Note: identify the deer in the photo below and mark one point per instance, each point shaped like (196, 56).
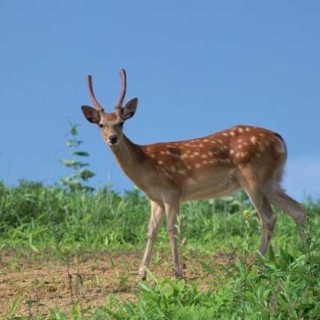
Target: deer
(169, 173)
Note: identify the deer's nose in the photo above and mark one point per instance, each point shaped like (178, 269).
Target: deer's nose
(113, 139)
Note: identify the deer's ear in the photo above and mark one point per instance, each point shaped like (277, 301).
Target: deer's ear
(129, 109)
(91, 114)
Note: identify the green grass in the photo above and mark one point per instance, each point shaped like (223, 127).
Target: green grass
(54, 219)
(284, 285)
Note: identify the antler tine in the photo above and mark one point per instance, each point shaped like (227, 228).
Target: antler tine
(123, 88)
(95, 102)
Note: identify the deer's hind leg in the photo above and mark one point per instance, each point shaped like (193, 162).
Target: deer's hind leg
(260, 201)
(292, 207)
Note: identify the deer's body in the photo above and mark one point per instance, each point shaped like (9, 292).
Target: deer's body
(216, 165)
(200, 168)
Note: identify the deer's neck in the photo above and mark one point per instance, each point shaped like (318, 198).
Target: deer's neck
(130, 158)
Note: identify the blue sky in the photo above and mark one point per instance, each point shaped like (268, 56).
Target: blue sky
(196, 66)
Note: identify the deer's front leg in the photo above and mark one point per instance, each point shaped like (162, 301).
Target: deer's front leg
(153, 228)
(172, 212)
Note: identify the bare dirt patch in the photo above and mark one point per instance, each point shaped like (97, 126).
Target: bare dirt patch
(89, 279)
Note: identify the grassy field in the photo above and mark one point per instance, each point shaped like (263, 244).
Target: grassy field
(75, 255)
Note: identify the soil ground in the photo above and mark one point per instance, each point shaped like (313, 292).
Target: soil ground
(45, 283)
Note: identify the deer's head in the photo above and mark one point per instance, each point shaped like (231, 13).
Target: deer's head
(110, 123)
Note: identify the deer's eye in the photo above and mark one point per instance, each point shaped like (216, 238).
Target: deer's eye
(121, 125)
(100, 125)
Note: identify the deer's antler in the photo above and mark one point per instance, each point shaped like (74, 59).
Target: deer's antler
(118, 108)
(95, 102)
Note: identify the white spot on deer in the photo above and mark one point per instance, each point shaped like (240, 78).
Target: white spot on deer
(226, 134)
(173, 168)
(174, 154)
(232, 133)
(241, 154)
(198, 165)
(204, 162)
(247, 129)
(253, 140)
(196, 153)
(261, 134)
(160, 162)
(182, 172)
(205, 140)
(224, 160)
(280, 150)
(204, 156)
(220, 141)
(201, 145)
(240, 130)
(216, 152)
(239, 146)
(231, 151)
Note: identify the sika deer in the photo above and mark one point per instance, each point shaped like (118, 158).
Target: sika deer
(216, 165)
